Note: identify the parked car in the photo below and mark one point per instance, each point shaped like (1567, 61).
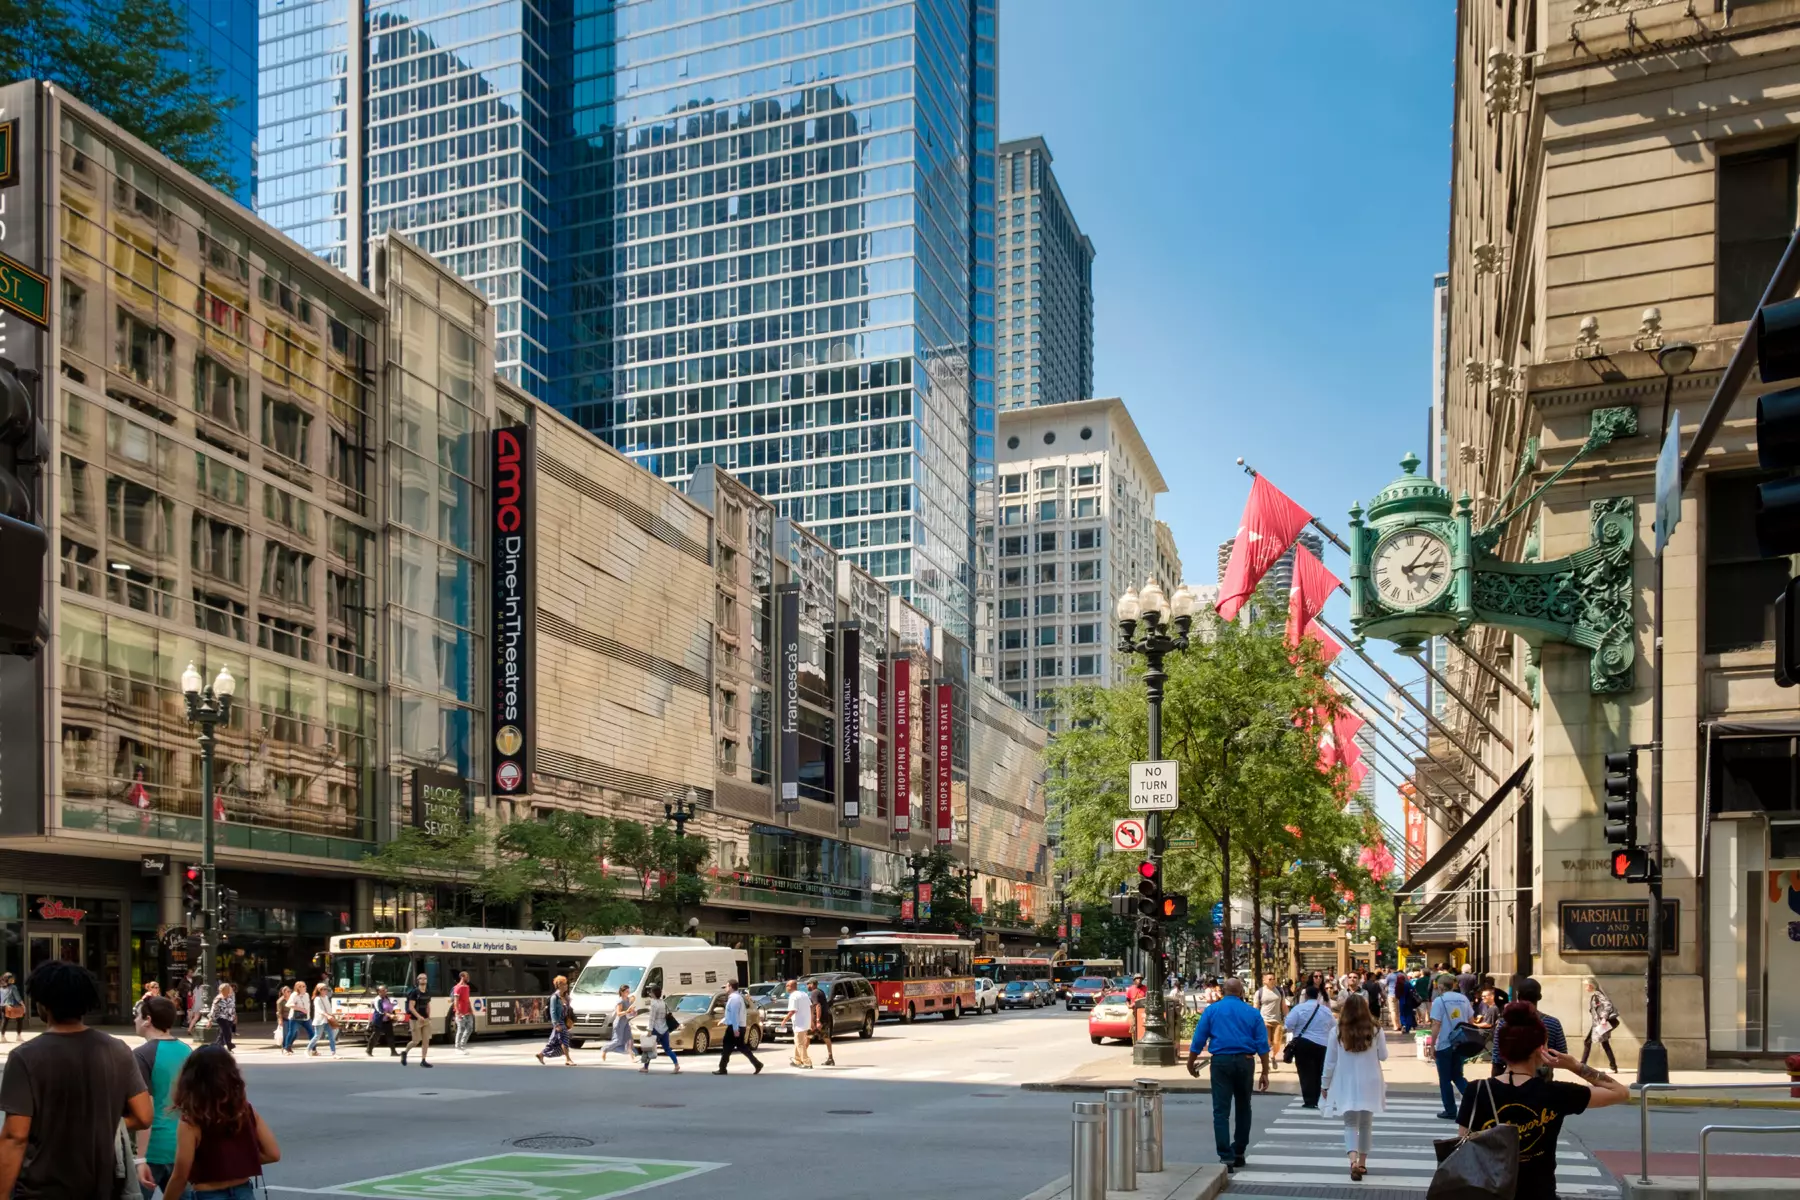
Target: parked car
(1021, 993)
(1084, 992)
(702, 1022)
(1110, 1018)
(987, 995)
(853, 1006)
(1048, 989)
(763, 994)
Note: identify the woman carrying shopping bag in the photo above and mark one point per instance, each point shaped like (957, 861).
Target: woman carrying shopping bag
(1354, 1087)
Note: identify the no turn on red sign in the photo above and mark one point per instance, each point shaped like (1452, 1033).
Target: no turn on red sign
(1129, 834)
(1155, 786)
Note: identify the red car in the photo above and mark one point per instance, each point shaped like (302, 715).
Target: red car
(1110, 1018)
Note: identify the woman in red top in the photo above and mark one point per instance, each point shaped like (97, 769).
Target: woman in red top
(222, 1143)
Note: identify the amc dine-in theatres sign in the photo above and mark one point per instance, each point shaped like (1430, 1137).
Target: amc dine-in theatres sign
(510, 530)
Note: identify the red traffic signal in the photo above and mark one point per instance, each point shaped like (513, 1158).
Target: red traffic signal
(1147, 869)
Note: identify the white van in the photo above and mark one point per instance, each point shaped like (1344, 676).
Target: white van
(638, 961)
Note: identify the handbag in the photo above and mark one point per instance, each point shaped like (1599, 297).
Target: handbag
(1481, 1166)
(1287, 1051)
(15, 1012)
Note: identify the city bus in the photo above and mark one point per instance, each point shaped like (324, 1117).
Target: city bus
(1004, 970)
(1068, 970)
(511, 974)
(914, 973)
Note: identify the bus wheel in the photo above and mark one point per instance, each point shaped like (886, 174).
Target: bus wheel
(955, 1010)
(911, 1015)
(868, 1027)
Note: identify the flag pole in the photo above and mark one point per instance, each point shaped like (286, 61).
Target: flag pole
(1421, 747)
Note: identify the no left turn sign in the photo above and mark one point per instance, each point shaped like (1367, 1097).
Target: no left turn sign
(1128, 834)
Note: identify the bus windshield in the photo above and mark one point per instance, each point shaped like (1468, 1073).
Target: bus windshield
(597, 979)
(363, 972)
(1005, 972)
(873, 964)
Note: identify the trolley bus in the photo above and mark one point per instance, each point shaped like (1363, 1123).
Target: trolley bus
(511, 974)
(1068, 970)
(914, 973)
(1004, 970)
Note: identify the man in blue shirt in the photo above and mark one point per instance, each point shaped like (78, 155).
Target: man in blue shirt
(1237, 1034)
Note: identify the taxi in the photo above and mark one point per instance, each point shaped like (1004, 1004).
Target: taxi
(1110, 1018)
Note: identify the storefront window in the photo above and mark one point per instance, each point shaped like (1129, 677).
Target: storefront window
(1752, 885)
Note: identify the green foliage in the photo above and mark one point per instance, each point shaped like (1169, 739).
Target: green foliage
(1248, 773)
(120, 57)
(450, 862)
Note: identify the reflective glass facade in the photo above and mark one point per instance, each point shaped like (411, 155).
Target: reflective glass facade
(222, 35)
(1046, 265)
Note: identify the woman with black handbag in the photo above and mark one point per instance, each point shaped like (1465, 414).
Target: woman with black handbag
(1309, 1026)
(1535, 1106)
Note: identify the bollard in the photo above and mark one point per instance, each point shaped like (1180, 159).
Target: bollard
(1087, 1152)
(1121, 1140)
(1149, 1126)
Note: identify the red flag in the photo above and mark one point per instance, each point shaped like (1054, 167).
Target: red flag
(1270, 525)
(218, 807)
(1358, 772)
(1328, 645)
(1343, 732)
(1313, 585)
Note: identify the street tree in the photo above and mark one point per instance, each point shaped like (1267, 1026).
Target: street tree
(556, 864)
(127, 60)
(447, 859)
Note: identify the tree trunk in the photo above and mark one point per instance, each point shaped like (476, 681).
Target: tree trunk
(1225, 891)
(1256, 953)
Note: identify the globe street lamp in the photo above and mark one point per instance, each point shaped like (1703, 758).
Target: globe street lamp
(680, 811)
(208, 707)
(1153, 624)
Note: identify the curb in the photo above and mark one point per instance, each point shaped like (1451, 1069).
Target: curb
(1701, 1102)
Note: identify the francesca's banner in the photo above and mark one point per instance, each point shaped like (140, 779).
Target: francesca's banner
(901, 685)
(943, 746)
(787, 696)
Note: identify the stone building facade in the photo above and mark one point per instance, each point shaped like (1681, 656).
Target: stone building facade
(1623, 180)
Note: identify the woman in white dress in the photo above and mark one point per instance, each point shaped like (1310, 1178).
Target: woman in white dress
(1354, 1087)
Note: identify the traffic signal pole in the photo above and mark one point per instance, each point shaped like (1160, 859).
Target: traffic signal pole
(1155, 1049)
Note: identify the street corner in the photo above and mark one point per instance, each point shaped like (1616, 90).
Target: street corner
(523, 1175)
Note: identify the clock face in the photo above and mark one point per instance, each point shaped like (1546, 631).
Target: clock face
(1411, 569)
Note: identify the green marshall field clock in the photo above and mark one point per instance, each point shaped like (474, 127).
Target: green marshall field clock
(1420, 569)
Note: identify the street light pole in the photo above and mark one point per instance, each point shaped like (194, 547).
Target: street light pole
(680, 811)
(208, 707)
(1160, 633)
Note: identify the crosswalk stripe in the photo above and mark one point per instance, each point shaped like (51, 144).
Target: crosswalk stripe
(1392, 1162)
(1376, 1180)
(986, 1076)
(923, 1074)
(1334, 1136)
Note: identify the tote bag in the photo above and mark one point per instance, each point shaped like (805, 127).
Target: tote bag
(1481, 1166)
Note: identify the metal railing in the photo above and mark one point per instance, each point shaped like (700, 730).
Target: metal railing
(1644, 1091)
(1708, 1130)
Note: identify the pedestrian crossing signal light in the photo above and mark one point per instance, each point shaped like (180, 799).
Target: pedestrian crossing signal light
(1621, 803)
(1632, 864)
(1174, 907)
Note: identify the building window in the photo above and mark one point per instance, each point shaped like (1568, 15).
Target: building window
(1012, 609)
(1012, 639)
(1085, 635)
(1086, 506)
(1087, 571)
(1048, 606)
(1085, 539)
(1012, 485)
(1046, 510)
(1755, 219)
(1049, 668)
(74, 316)
(139, 517)
(218, 550)
(1049, 635)
(1740, 585)
(285, 429)
(144, 353)
(1012, 547)
(1012, 576)
(1012, 514)
(1086, 664)
(1046, 479)
(1046, 573)
(1046, 543)
(287, 574)
(1084, 602)
(1012, 672)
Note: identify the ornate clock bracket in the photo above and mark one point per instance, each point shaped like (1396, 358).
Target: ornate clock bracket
(1584, 599)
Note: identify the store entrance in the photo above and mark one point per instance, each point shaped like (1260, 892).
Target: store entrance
(66, 946)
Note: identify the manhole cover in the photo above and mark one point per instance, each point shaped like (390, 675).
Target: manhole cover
(662, 1106)
(849, 1112)
(553, 1141)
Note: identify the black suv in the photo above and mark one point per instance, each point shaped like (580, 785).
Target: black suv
(850, 997)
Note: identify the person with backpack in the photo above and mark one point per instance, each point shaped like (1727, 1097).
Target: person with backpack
(1450, 1015)
(822, 1018)
(662, 1024)
(159, 1060)
(222, 1142)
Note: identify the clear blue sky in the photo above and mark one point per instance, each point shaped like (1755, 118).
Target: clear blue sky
(1267, 189)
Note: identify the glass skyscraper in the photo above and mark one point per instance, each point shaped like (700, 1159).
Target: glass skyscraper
(772, 241)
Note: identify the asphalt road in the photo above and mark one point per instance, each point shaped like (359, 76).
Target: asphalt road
(930, 1110)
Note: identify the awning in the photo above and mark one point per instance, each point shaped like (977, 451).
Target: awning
(1449, 850)
(1432, 913)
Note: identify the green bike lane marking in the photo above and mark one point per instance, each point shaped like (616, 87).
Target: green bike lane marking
(521, 1176)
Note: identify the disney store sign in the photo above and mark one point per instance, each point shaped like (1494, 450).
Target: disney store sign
(56, 910)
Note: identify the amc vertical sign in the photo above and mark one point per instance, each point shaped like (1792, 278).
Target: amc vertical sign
(787, 697)
(902, 774)
(946, 738)
(849, 658)
(509, 717)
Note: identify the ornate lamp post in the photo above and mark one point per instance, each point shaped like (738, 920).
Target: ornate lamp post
(208, 707)
(680, 811)
(1153, 624)
(916, 863)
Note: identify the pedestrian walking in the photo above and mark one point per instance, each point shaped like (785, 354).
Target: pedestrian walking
(324, 1020)
(418, 1021)
(1468, 983)
(1236, 1034)
(222, 1142)
(159, 1061)
(381, 1022)
(462, 1007)
(1603, 1018)
(65, 1093)
(661, 1025)
(223, 1015)
(283, 1022)
(1354, 1087)
(621, 1026)
(299, 1013)
(138, 1020)
(1530, 991)
(1309, 1026)
(1519, 1096)
(1405, 1000)
(800, 1021)
(737, 1023)
(1375, 994)
(1449, 1013)
(824, 1020)
(562, 1018)
(12, 1008)
(1273, 1005)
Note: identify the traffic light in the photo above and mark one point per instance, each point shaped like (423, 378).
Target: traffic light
(1787, 634)
(190, 892)
(1621, 803)
(24, 445)
(227, 909)
(1174, 907)
(1149, 905)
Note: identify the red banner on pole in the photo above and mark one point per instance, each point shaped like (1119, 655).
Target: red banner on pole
(902, 710)
(1415, 831)
(946, 739)
(1312, 586)
(1270, 525)
(906, 910)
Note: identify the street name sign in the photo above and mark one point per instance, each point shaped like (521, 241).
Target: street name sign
(1155, 786)
(1183, 843)
(1128, 834)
